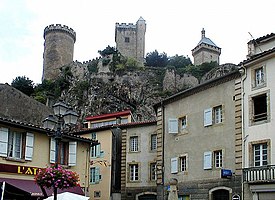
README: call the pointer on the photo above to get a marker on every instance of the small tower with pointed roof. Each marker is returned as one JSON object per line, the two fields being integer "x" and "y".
{"x": 206, "y": 51}
{"x": 130, "y": 39}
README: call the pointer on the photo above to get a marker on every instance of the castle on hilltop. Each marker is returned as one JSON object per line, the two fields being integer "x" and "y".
{"x": 60, "y": 39}
{"x": 130, "y": 42}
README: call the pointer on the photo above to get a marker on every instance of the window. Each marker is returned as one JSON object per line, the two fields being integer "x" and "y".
{"x": 63, "y": 153}
{"x": 259, "y": 108}
{"x": 134, "y": 143}
{"x": 183, "y": 122}
{"x": 217, "y": 114}
{"x": 153, "y": 171}
{"x": 127, "y": 39}
{"x": 66, "y": 152}
{"x": 95, "y": 176}
{"x": 153, "y": 142}
{"x": 96, "y": 151}
{"x": 218, "y": 158}
{"x": 133, "y": 172}
{"x": 258, "y": 77}
{"x": 183, "y": 164}
{"x": 16, "y": 145}
{"x": 213, "y": 115}
{"x": 260, "y": 154}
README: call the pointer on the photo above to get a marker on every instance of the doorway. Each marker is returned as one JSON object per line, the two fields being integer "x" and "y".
{"x": 221, "y": 194}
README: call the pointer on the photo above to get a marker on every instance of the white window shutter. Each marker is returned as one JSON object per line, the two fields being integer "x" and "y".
{"x": 72, "y": 153}
{"x": 4, "y": 137}
{"x": 29, "y": 146}
{"x": 207, "y": 160}
{"x": 98, "y": 150}
{"x": 52, "y": 150}
{"x": 97, "y": 174}
{"x": 174, "y": 165}
{"x": 173, "y": 126}
{"x": 208, "y": 117}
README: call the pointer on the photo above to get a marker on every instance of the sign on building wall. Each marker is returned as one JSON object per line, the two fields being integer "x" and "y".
{"x": 18, "y": 169}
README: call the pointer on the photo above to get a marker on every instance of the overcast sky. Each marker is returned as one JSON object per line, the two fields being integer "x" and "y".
{"x": 173, "y": 27}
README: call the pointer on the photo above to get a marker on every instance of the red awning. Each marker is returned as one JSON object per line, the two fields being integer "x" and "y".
{"x": 29, "y": 186}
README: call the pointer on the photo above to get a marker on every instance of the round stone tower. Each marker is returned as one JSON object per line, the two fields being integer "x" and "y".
{"x": 58, "y": 49}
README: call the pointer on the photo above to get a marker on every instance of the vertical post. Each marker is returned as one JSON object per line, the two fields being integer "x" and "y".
{"x": 55, "y": 193}
{"x": 58, "y": 135}
{"x": 3, "y": 190}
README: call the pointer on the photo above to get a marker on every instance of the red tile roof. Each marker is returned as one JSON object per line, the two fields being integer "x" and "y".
{"x": 122, "y": 126}
{"x": 109, "y": 115}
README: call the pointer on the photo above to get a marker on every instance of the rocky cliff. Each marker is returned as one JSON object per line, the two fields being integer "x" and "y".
{"x": 106, "y": 92}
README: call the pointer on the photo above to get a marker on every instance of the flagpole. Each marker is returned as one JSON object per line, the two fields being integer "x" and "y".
{"x": 3, "y": 190}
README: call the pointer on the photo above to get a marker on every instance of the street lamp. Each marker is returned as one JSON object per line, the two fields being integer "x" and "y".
{"x": 63, "y": 116}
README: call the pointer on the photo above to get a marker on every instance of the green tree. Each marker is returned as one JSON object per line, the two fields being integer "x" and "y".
{"x": 41, "y": 91}
{"x": 154, "y": 59}
{"x": 23, "y": 84}
{"x": 133, "y": 64}
{"x": 179, "y": 61}
{"x": 200, "y": 70}
{"x": 107, "y": 51}
{"x": 92, "y": 66}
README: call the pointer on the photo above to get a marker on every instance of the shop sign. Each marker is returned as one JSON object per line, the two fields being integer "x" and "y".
{"x": 19, "y": 169}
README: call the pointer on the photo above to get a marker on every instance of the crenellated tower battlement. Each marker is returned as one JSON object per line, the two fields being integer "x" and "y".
{"x": 60, "y": 28}
{"x": 126, "y": 26}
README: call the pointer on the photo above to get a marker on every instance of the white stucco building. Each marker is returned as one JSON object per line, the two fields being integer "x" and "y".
{"x": 258, "y": 125}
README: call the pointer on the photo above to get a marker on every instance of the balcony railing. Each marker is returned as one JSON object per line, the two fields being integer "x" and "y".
{"x": 259, "y": 174}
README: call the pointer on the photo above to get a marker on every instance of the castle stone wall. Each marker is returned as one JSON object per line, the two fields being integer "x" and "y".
{"x": 204, "y": 55}
{"x": 130, "y": 39}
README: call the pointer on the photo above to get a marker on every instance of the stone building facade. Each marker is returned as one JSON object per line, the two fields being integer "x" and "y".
{"x": 197, "y": 141}
{"x": 58, "y": 49}
{"x": 130, "y": 39}
{"x": 138, "y": 161}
